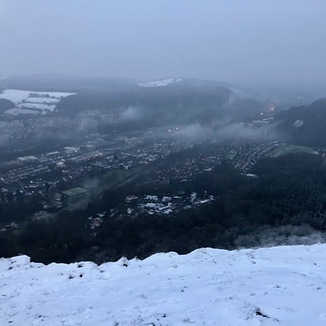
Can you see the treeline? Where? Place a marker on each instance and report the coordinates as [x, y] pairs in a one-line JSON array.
[[164, 105], [304, 125], [161, 103], [5, 105]]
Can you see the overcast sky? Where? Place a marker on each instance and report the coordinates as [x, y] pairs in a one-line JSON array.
[[226, 40]]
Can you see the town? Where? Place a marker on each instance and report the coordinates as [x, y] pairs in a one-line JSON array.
[[58, 179]]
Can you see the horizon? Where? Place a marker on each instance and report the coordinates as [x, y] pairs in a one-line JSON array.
[[243, 43], [301, 84]]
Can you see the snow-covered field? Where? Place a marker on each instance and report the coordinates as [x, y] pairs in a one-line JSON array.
[[30, 102], [160, 83], [21, 111], [271, 286]]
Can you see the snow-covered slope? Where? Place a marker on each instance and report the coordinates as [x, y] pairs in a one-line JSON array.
[[273, 286], [161, 83], [40, 102]]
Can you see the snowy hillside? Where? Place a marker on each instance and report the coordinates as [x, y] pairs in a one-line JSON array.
[[161, 83], [30, 102], [274, 286]]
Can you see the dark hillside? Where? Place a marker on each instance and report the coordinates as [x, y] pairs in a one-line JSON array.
[[5, 105], [305, 125]]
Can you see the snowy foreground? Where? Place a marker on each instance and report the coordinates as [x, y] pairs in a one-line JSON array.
[[272, 286]]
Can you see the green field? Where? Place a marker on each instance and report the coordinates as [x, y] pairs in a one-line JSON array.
[[292, 149]]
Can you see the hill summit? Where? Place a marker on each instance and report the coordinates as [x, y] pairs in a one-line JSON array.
[[270, 286]]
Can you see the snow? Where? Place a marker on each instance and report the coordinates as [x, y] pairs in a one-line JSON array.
[[160, 83], [270, 286], [26, 100], [17, 96], [166, 199], [71, 149], [21, 111], [298, 123], [43, 100], [153, 205], [27, 158], [151, 197], [39, 106], [251, 175]]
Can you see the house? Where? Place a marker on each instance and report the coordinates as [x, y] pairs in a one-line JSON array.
[[74, 194]]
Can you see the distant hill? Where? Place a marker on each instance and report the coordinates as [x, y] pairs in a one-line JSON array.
[[153, 103], [304, 125], [168, 101], [61, 83]]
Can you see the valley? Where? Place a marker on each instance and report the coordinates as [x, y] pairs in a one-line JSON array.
[[123, 162]]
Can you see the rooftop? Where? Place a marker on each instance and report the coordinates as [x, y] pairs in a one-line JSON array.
[[74, 192]]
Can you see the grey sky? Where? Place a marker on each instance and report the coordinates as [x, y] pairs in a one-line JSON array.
[[226, 40]]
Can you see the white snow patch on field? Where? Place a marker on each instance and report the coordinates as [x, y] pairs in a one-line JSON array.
[[160, 83], [21, 111], [17, 96], [298, 123], [271, 286], [43, 100], [24, 100], [39, 106]]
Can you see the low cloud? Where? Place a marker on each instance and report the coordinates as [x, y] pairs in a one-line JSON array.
[[131, 114], [241, 131], [219, 132], [193, 132]]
